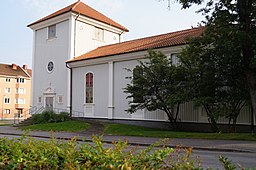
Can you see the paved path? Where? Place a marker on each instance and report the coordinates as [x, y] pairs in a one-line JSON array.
[[200, 144]]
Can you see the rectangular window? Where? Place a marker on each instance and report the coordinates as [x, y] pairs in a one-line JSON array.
[[7, 90], [52, 31], [98, 34], [7, 111], [60, 99], [6, 100], [174, 59], [20, 91], [8, 80], [20, 101], [20, 80], [39, 100]]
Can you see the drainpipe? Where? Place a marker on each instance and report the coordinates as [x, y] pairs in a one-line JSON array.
[[71, 75]]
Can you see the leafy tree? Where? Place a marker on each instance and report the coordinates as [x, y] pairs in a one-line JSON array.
[[157, 84], [214, 82], [230, 34]]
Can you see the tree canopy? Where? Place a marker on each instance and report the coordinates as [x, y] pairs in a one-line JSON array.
[[226, 51], [157, 84]]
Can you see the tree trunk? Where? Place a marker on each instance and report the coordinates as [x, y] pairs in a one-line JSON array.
[[170, 117]]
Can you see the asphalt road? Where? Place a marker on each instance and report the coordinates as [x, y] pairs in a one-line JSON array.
[[209, 158]]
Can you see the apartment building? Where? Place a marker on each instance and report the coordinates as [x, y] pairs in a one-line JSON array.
[[15, 87]]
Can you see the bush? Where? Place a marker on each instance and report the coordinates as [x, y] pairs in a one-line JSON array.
[[28, 153], [50, 117]]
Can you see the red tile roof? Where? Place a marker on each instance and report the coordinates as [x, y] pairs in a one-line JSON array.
[[7, 70], [158, 41], [81, 8]]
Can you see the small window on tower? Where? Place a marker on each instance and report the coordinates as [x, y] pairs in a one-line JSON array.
[[52, 31], [98, 34]]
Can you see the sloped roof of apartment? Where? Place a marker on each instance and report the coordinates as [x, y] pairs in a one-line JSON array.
[[7, 70], [158, 41], [81, 8]]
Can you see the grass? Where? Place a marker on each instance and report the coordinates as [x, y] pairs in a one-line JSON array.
[[131, 130], [67, 126]]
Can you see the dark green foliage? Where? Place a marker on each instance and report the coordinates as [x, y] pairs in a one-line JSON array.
[[223, 58], [50, 117], [157, 84], [27, 153]]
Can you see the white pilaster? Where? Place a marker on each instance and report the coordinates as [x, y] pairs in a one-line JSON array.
[[110, 90], [33, 101]]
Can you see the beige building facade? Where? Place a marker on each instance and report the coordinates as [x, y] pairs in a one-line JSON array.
[[15, 91]]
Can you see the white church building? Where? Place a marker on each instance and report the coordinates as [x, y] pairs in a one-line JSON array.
[[80, 62]]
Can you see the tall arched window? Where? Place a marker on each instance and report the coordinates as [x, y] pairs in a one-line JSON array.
[[89, 88]]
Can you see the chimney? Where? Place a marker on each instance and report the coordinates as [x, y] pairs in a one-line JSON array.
[[25, 67], [14, 66]]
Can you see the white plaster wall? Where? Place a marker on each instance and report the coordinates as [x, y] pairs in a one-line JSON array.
[[100, 73], [120, 82], [55, 50], [84, 38]]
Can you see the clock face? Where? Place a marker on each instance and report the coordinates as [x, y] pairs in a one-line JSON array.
[[50, 66]]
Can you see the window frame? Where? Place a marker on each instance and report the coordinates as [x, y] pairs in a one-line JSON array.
[[174, 59], [96, 34], [39, 99], [49, 28], [8, 80], [18, 80], [86, 89], [20, 101], [7, 99], [60, 99], [7, 111], [47, 66], [7, 90]]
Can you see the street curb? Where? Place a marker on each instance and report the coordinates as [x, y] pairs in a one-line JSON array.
[[134, 143]]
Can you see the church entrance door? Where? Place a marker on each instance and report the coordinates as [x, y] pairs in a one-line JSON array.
[[49, 103]]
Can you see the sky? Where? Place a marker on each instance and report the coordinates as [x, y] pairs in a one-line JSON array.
[[143, 18]]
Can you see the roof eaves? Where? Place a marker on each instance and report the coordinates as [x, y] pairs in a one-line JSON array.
[[121, 53]]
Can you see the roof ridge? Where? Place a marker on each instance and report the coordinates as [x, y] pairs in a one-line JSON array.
[[76, 4], [154, 36]]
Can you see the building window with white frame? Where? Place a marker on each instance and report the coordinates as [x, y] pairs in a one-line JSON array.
[[8, 80], [89, 88], [20, 91], [60, 99], [98, 34], [20, 101], [20, 80], [7, 90], [7, 100], [52, 31], [7, 111]]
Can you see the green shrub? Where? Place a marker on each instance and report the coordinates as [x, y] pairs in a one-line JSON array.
[[28, 153], [50, 117]]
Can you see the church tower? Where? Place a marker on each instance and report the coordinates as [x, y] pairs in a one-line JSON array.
[[59, 37]]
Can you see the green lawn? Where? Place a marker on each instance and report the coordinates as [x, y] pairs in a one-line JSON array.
[[68, 126], [130, 130]]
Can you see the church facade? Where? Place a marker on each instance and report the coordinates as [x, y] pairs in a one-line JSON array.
[[80, 64]]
